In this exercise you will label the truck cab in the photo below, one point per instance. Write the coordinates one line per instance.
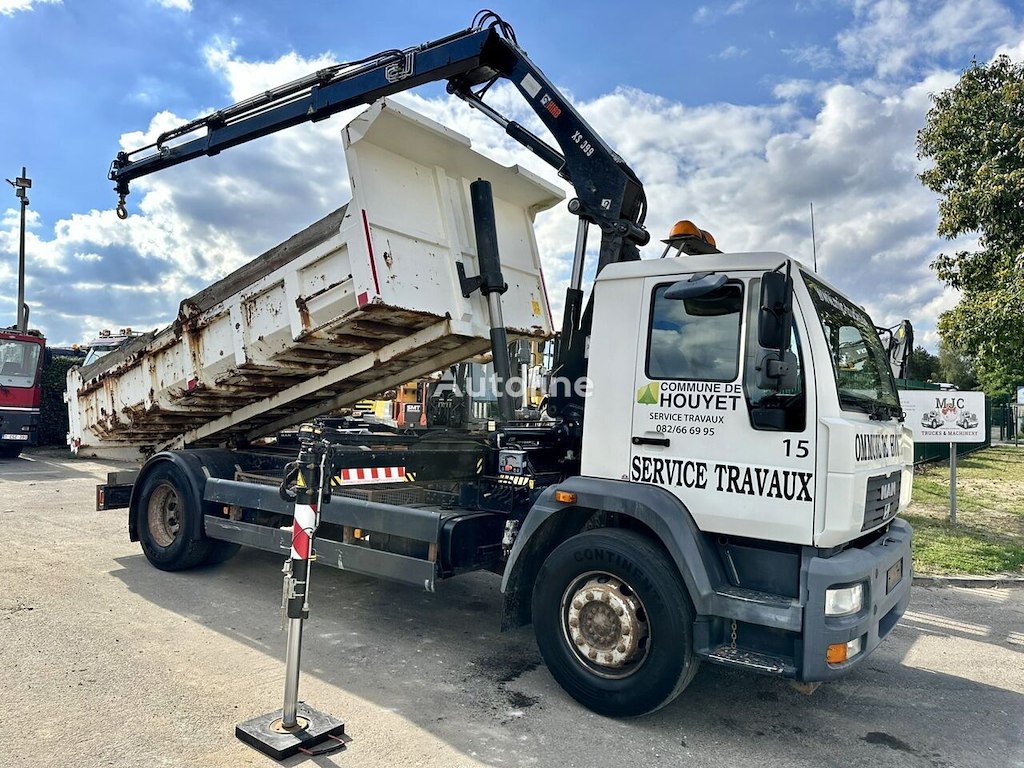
(789, 488)
(691, 415)
(21, 365)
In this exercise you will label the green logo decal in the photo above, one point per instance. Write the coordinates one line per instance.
(648, 394)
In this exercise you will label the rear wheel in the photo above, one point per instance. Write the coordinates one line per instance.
(10, 451)
(221, 552)
(167, 512)
(614, 622)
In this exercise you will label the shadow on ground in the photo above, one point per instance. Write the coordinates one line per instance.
(440, 661)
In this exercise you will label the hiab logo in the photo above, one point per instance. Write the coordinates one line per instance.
(648, 394)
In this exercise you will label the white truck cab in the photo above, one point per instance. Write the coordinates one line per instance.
(789, 484)
(804, 465)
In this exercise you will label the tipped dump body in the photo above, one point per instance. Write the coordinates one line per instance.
(363, 300)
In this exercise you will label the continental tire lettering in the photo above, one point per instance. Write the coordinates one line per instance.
(603, 556)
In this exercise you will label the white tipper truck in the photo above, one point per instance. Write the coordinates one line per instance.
(711, 479)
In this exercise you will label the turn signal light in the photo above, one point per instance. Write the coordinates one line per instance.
(566, 497)
(836, 653)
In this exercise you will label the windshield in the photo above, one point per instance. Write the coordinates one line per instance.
(19, 361)
(860, 365)
(96, 352)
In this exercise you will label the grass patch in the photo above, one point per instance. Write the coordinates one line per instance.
(988, 538)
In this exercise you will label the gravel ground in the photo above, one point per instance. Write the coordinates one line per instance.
(105, 661)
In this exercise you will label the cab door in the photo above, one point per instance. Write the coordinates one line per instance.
(741, 457)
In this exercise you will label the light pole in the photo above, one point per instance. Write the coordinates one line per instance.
(20, 184)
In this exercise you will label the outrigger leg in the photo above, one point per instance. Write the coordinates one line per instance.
(297, 727)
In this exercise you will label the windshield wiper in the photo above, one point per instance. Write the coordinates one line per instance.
(876, 409)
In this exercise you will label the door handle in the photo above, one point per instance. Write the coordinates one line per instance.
(663, 441)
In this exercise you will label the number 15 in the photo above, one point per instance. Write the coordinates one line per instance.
(802, 448)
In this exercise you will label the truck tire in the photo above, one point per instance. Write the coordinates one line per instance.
(614, 623)
(166, 515)
(221, 552)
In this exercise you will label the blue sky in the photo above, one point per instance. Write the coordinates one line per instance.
(736, 114)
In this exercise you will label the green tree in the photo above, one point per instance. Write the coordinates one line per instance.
(924, 366)
(53, 413)
(956, 368)
(974, 137)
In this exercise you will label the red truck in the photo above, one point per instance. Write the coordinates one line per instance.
(21, 366)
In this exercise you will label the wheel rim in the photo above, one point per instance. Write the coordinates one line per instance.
(164, 515)
(605, 624)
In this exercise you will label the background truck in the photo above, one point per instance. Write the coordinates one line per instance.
(709, 478)
(21, 391)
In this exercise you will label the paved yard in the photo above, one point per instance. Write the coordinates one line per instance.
(105, 661)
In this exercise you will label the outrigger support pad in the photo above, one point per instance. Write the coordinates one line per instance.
(317, 733)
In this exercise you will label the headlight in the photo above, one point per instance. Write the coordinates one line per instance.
(844, 601)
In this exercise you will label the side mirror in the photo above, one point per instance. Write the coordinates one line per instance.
(696, 286)
(775, 320)
(777, 370)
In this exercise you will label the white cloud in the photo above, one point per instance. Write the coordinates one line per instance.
(732, 52)
(1014, 51)
(815, 56)
(789, 90)
(706, 14)
(11, 7)
(890, 36)
(177, 5)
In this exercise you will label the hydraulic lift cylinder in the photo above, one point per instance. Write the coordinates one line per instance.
(492, 285)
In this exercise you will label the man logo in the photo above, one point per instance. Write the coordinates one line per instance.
(648, 394)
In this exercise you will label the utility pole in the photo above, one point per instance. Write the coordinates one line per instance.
(20, 184)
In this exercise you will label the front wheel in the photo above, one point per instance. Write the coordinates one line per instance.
(614, 623)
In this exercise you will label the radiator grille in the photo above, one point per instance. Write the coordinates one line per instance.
(883, 499)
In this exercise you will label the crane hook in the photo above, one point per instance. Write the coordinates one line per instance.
(122, 211)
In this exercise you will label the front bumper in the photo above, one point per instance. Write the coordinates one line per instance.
(884, 603)
(19, 427)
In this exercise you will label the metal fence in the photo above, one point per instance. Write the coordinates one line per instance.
(1008, 418)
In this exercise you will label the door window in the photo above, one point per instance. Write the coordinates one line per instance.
(695, 338)
(773, 409)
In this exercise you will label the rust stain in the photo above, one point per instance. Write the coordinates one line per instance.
(304, 318)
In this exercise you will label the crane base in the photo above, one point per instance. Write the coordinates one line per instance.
(317, 733)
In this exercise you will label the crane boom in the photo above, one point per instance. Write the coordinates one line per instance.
(608, 192)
